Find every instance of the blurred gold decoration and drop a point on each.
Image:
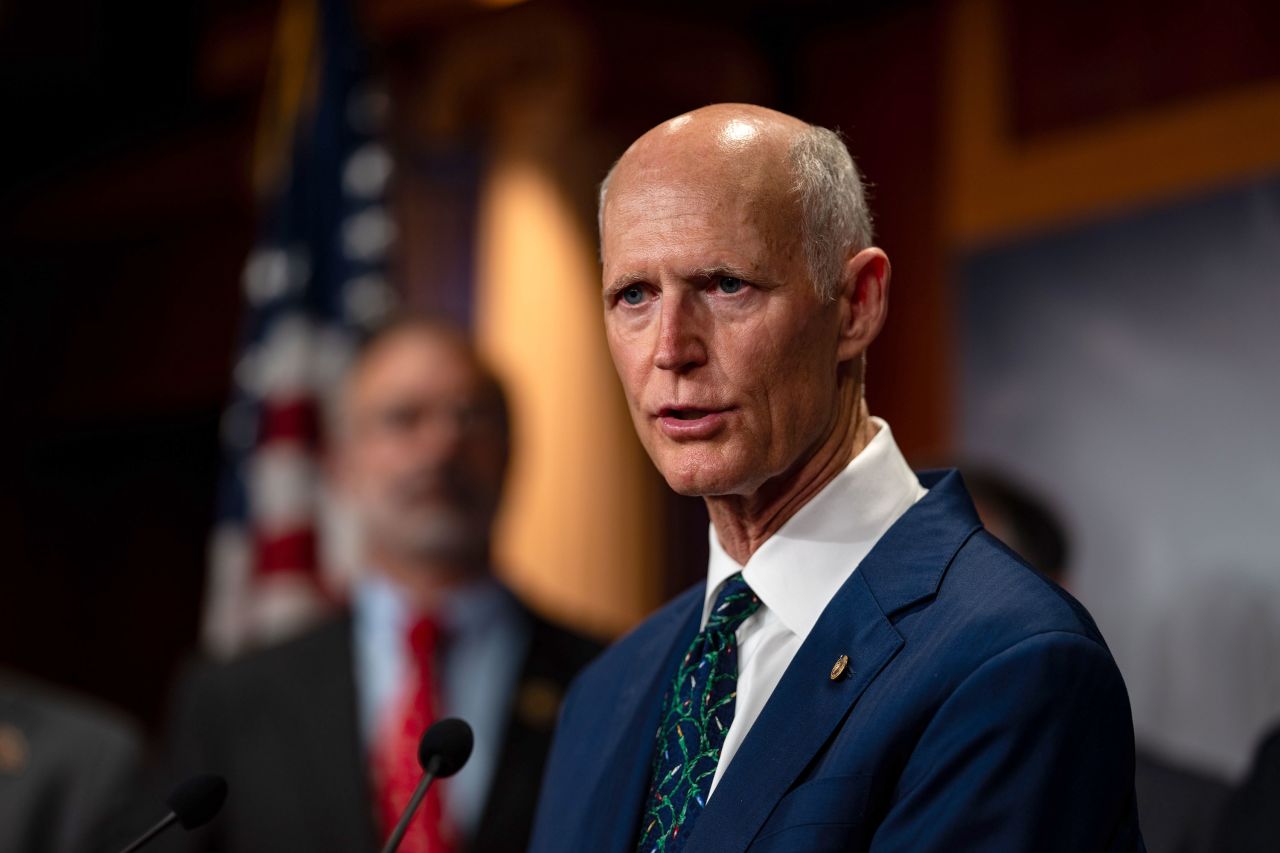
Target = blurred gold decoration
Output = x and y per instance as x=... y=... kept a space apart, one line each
x=538 y=703
x=291 y=87
x=580 y=533
x=998 y=186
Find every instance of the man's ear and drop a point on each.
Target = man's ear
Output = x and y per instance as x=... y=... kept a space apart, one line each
x=864 y=302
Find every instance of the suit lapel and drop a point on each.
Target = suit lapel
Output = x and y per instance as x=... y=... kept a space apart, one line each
x=519 y=764
x=805 y=708
x=326 y=742
x=619 y=783
x=552 y=657
x=905 y=567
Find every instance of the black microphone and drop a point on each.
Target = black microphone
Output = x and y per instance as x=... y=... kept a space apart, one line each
x=444 y=748
x=193 y=803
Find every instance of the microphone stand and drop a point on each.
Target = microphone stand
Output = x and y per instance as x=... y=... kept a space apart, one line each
x=152 y=832
x=428 y=776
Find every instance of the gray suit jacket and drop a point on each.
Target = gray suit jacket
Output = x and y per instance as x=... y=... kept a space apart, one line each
x=67 y=767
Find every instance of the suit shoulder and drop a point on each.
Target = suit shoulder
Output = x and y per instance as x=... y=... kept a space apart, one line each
x=262 y=668
x=990 y=591
x=65 y=718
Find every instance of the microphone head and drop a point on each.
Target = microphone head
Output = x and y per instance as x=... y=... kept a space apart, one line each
x=450 y=740
x=198 y=799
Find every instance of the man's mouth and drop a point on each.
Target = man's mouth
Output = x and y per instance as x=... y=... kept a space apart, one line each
x=685 y=414
x=431 y=488
x=687 y=423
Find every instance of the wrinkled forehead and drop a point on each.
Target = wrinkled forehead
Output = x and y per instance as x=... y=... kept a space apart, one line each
x=661 y=199
x=711 y=153
x=697 y=151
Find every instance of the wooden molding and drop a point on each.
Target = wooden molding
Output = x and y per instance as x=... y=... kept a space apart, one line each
x=998 y=187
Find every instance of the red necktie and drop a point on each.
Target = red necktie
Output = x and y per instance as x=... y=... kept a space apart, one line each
x=395 y=754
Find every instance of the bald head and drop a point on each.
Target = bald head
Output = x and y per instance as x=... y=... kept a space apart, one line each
x=801 y=172
x=739 y=136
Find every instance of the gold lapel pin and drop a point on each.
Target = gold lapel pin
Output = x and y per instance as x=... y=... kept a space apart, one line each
x=538 y=703
x=14 y=750
x=838 y=670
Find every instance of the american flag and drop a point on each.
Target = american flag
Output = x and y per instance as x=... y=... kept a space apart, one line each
x=316 y=277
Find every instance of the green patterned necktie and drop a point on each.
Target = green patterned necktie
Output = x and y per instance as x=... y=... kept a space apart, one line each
x=696 y=713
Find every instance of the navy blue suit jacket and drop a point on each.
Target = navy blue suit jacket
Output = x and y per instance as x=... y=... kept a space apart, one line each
x=981 y=710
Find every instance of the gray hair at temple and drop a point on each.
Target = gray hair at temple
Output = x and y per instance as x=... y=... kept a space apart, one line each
x=835 y=218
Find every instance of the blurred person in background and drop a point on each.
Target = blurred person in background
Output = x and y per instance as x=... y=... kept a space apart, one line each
x=318 y=737
x=1179 y=807
x=1251 y=818
x=865 y=668
x=67 y=769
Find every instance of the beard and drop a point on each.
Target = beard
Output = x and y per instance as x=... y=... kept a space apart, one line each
x=443 y=532
x=431 y=516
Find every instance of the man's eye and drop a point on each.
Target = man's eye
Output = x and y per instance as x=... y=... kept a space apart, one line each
x=633 y=295
x=730 y=285
x=400 y=419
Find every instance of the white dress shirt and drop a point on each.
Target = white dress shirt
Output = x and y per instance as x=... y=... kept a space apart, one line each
x=487 y=633
x=797 y=570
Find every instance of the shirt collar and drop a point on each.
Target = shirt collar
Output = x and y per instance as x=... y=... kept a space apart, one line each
x=381 y=605
x=800 y=568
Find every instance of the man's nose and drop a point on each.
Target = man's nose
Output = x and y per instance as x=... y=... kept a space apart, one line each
x=440 y=434
x=681 y=346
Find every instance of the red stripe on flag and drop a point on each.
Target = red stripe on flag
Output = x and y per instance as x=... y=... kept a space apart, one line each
x=291 y=551
x=290 y=419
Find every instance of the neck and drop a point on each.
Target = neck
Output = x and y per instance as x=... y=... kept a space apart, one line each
x=744 y=522
x=426 y=579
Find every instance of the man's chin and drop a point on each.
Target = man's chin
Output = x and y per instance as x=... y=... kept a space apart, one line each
x=704 y=481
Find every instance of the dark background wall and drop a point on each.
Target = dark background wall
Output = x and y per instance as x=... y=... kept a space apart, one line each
x=126 y=211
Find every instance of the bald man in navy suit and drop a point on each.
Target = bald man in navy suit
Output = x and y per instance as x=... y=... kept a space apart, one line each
x=866 y=668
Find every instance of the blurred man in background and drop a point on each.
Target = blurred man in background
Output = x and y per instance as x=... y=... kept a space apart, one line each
x=1179 y=807
x=1251 y=817
x=318 y=737
x=67 y=768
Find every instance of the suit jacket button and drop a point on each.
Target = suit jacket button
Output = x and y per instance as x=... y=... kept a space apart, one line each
x=842 y=664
